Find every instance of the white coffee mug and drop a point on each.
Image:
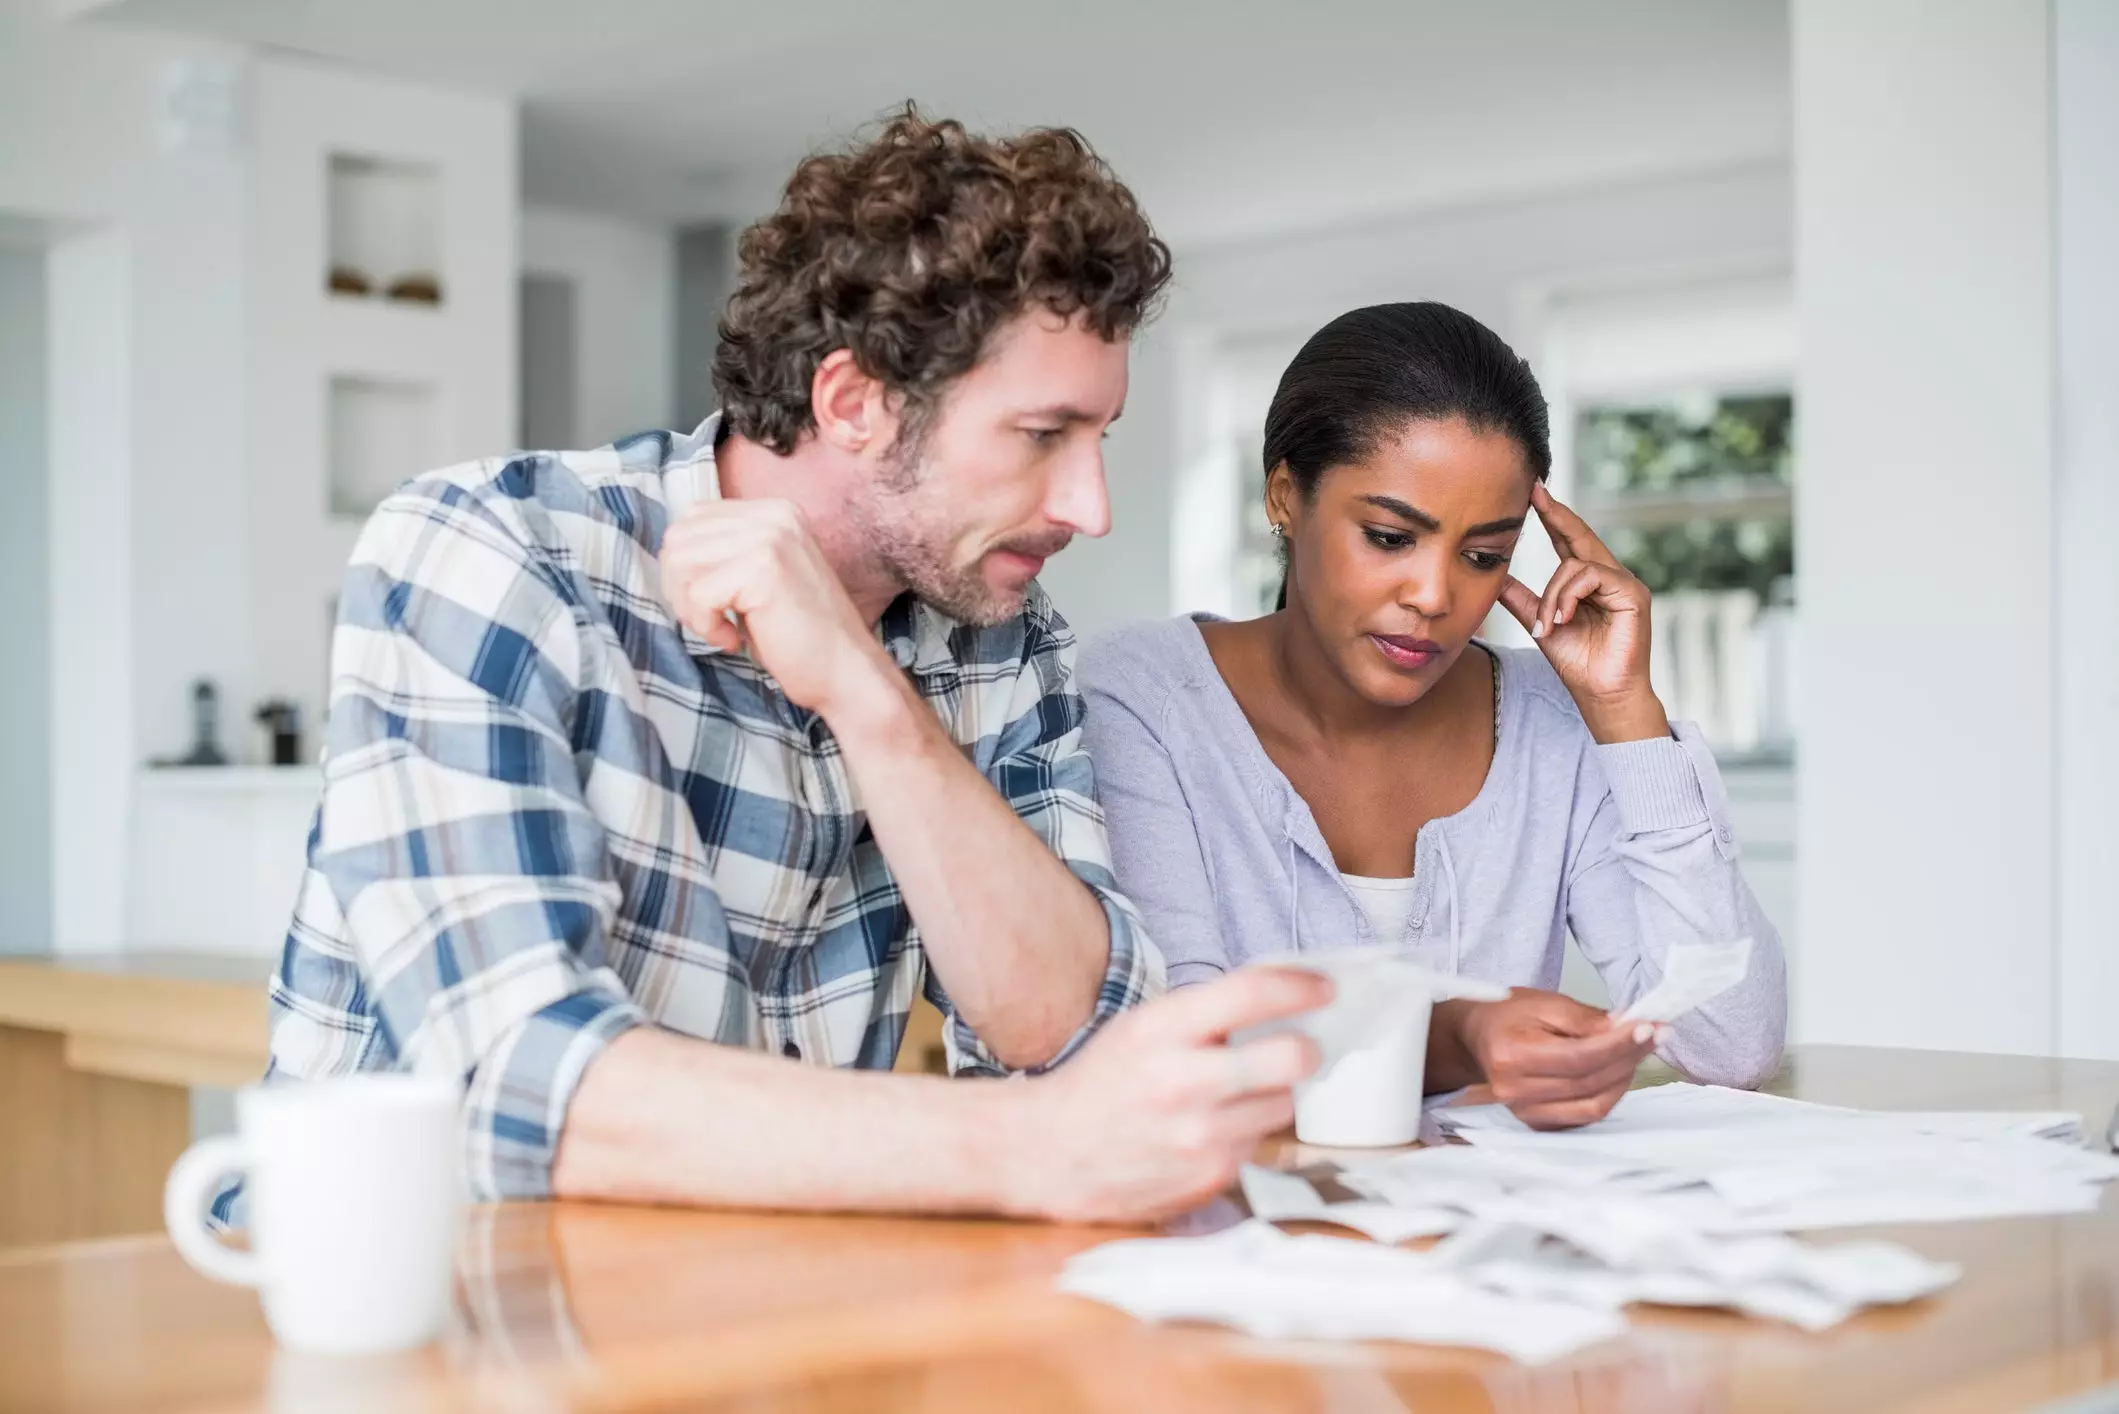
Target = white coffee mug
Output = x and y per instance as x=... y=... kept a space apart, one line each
x=1370 y=1096
x=353 y=1189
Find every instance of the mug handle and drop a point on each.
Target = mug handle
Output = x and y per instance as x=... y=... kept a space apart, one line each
x=184 y=1199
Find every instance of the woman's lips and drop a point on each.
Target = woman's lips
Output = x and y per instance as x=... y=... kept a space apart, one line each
x=1410 y=654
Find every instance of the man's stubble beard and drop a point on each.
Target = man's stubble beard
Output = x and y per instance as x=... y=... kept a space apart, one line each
x=909 y=526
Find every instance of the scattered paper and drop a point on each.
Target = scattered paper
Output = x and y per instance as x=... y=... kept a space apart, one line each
x=1684 y=1195
x=1692 y=975
x=1277 y=1197
x=1733 y=1161
x=1266 y=1283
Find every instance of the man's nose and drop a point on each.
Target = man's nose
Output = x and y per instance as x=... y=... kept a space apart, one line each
x=1079 y=498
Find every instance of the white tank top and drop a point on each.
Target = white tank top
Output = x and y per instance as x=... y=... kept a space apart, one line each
x=1387 y=902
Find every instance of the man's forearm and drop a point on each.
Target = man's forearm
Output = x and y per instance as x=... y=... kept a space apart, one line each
x=1020 y=943
x=663 y=1118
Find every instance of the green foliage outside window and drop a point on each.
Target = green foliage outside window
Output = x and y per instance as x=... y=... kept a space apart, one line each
x=1694 y=493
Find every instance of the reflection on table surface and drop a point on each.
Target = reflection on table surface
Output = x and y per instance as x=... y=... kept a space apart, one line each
x=588 y=1306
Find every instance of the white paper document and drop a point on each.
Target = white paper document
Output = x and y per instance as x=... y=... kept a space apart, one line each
x=1683 y=1195
x=1277 y=1197
x=1692 y=975
x=1266 y=1283
x=1732 y=1161
x=1375 y=986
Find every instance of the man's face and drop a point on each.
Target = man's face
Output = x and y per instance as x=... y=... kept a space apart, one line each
x=1011 y=468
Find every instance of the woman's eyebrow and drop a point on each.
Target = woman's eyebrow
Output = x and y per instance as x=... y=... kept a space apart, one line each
x=1405 y=510
x=1421 y=518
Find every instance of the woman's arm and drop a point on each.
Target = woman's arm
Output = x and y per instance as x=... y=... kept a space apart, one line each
x=1655 y=867
x=1155 y=851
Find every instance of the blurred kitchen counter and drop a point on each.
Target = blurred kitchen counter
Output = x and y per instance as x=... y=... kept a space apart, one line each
x=98 y=1058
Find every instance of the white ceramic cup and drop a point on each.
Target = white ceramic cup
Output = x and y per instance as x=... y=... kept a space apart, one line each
x=1370 y=1097
x=354 y=1194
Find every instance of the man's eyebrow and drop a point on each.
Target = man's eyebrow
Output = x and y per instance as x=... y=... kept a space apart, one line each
x=1068 y=413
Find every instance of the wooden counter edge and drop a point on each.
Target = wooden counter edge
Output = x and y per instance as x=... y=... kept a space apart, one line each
x=141 y=1025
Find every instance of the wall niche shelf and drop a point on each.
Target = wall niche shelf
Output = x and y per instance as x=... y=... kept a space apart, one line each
x=383 y=229
x=380 y=432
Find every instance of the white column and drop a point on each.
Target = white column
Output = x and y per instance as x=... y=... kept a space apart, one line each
x=2086 y=165
x=90 y=510
x=1926 y=522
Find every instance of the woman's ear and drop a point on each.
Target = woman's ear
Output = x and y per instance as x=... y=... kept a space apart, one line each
x=1281 y=498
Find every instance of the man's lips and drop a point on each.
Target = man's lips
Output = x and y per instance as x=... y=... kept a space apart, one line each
x=1403 y=652
x=1024 y=564
x=1029 y=557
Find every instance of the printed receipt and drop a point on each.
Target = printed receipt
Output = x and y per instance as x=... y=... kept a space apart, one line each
x=1692 y=975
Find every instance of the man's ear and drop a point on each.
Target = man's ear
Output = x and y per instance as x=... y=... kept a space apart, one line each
x=853 y=411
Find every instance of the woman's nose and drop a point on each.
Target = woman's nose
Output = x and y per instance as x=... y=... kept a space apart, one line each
x=1425 y=591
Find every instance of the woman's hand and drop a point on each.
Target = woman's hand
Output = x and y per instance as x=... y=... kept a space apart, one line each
x=1592 y=623
x=1553 y=1061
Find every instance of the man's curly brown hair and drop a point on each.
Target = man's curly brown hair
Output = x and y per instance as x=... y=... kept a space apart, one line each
x=910 y=250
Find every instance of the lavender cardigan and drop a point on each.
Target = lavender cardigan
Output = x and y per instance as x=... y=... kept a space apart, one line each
x=1628 y=846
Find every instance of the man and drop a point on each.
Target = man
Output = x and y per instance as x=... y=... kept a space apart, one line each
x=662 y=777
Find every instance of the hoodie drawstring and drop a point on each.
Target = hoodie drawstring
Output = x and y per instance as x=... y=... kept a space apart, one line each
x=1449 y=883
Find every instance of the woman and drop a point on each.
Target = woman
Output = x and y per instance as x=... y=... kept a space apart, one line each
x=1357 y=767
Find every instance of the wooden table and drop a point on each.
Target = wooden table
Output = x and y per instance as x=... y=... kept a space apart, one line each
x=98 y=1057
x=583 y=1306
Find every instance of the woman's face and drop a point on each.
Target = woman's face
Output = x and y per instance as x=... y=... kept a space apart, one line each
x=1397 y=558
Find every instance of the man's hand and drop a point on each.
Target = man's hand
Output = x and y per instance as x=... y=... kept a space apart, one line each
x=1158 y=1112
x=758 y=562
x=1554 y=1062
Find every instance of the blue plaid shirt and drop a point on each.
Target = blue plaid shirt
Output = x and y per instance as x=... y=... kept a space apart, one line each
x=550 y=813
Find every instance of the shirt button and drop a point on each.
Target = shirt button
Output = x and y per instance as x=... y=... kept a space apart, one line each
x=791 y=1051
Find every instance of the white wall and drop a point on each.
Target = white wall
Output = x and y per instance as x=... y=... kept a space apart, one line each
x=90 y=524
x=298 y=337
x=1496 y=262
x=188 y=530
x=90 y=145
x=1925 y=528
x=25 y=587
x=2086 y=135
x=625 y=282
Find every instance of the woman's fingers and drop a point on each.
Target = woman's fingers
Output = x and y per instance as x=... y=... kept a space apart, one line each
x=1592 y=581
x=1521 y=601
x=1571 y=534
x=1552 y=1089
x=1569 y=1114
x=1555 y=595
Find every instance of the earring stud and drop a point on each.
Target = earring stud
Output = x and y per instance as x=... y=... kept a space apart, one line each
x=1280 y=532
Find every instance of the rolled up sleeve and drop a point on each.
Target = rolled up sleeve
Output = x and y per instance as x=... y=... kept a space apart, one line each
x=1659 y=869
x=453 y=838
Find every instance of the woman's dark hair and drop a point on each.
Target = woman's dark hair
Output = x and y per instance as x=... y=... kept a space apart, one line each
x=1369 y=372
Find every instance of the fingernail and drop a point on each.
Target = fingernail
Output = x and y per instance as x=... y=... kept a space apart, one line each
x=1642 y=1032
x=1537 y=630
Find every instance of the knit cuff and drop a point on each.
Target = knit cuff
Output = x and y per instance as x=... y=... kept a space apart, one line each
x=1656 y=783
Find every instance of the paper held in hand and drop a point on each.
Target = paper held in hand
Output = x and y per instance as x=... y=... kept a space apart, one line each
x=1376 y=988
x=1692 y=975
